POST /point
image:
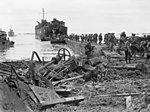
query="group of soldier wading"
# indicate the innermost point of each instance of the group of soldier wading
(130, 45)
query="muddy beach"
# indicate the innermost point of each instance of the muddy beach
(103, 83)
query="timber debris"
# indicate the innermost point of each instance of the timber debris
(69, 83)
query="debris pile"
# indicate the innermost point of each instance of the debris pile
(68, 83)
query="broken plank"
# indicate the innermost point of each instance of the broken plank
(48, 83)
(34, 98)
(64, 100)
(121, 95)
(5, 72)
(64, 80)
(127, 66)
(44, 94)
(63, 90)
(59, 73)
(50, 97)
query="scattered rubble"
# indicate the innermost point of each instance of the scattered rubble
(76, 84)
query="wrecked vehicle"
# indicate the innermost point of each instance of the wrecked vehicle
(69, 83)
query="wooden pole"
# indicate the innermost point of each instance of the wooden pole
(69, 79)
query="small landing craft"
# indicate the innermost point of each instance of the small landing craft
(11, 33)
(4, 41)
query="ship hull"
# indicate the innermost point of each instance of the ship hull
(4, 41)
(52, 41)
(42, 38)
(58, 42)
(45, 39)
(6, 44)
(10, 34)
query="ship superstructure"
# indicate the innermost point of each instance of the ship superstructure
(49, 31)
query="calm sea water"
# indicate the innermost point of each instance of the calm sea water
(26, 44)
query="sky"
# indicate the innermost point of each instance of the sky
(80, 16)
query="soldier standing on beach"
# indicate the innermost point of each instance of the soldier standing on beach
(100, 38)
(127, 51)
(111, 37)
(148, 52)
(95, 37)
(88, 49)
(122, 39)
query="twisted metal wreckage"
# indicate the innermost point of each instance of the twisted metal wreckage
(29, 85)
(36, 79)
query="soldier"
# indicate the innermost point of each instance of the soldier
(100, 38)
(111, 41)
(122, 39)
(127, 51)
(95, 37)
(106, 39)
(148, 52)
(88, 49)
(143, 47)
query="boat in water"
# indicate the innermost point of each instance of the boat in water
(53, 31)
(11, 33)
(4, 41)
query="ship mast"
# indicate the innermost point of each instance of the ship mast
(43, 13)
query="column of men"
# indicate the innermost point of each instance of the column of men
(94, 38)
(109, 39)
(130, 44)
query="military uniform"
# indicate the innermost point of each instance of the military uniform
(148, 52)
(127, 51)
(88, 49)
(100, 39)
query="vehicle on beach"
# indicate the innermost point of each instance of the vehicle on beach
(53, 31)
(4, 41)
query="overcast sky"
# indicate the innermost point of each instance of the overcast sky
(81, 16)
